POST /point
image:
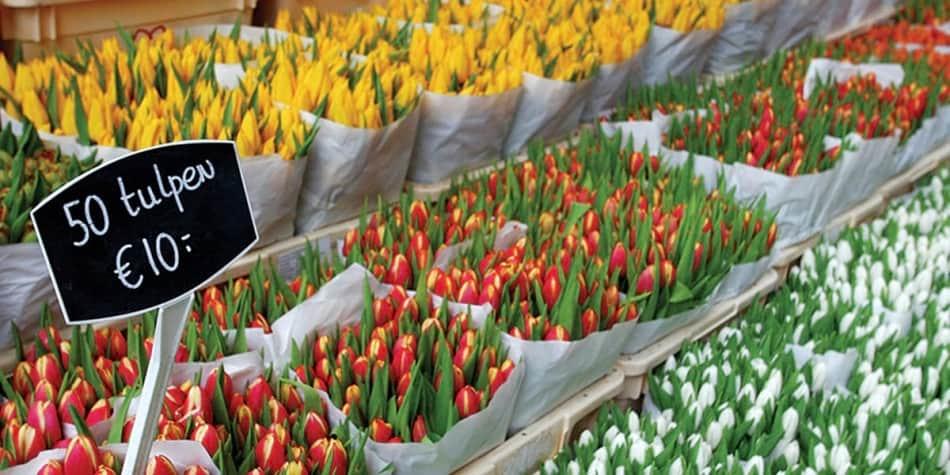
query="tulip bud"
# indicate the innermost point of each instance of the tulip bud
(383, 310)
(8, 411)
(45, 391)
(23, 378)
(258, 393)
(211, 384)
(160, 465)
(82, 456)
(402, 362)
(196, 404)
(6, 458)
(208, 437)
(47, 368)
(618, 260)
(243, 421)
(380, 430)
(468, 293)
(399, 272)
(468, 401)
(196, 470)
(174, 400)
(27, 443)
(645, 281)
(65, 349)
(52, 467)
(315, 427)
(590, 322)
(171, 430)
(419, 431)
(70, 398)
(269, 453)
(557, 333)
(104, 470)
(128, 370)
(551, 290)
(42, 416)
(418, 214)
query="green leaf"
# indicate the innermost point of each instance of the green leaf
(118, 423)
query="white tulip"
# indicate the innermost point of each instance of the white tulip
(703, 455)
(943, 460)
(601, 454)
(840, 459)
(754, 415)
(597, 467)
(808, 260)
(927, 220)
(790, 423)
(676, 468)
(638, 451)
(790, 453)
(687, 393)
(661, 426)
(574, 468)
(585, 439)
(610, 433)
(820, 454)
(620, 471)
(550, 468)
(755, 465)
(707, 395)
(670, 363)
(714, 434)
(894, 434)
(633, 423)
(682, 373)
(727, 418)
(897, 466)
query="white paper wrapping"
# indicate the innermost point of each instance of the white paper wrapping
(860, 171)
(610, 85)
(930, 136)
(743, 35)
(458, 133)
(348, 166)
(182, 453)
(548, 110)
(556, 370)
(838, 366)
(795, 21)
(863, 10)
(24, 287)
(670, 53)
(821, 69)
(636, 134)
(66, 143)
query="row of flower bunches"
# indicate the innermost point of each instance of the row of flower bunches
(331, 381)
(843, 371)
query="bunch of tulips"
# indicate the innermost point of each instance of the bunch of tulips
(28, 174)
(410, 370)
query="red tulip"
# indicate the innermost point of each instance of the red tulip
(196, 404)
(27, 443)
(645, 281)
(45, 391)
(618, 260)
(174, 400)
(697, 255)
(667, 272)
(52, 467)
(196, 470)
(42, 416)
(243, 421)
(70, 398)
(383, 310)
(380, 430)
(403, 359)
(269, 453)
(49, 336)
(636, 162)
(352, 395)
(399, 272)
(87, 394)
(171, 430)
(23, 378)
(315, 427)
(419, 431)
(211, 384)
(47, 368)
(290, 397)
(468, 401)
(128, 370)
(326, 452)
(557, 333)
(278, 412)
(258, 393)
(160, 465)
(82, 456)
(590, 322)
(208, 437)
(8, 411)
(104, 470)
(468, 293)
(65, 349)
(552, 287)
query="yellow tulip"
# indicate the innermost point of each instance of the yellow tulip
(6, 75)
(34, 111)
(248, 140)
(67, 117)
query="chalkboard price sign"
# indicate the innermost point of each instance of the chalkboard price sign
(144, 229)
